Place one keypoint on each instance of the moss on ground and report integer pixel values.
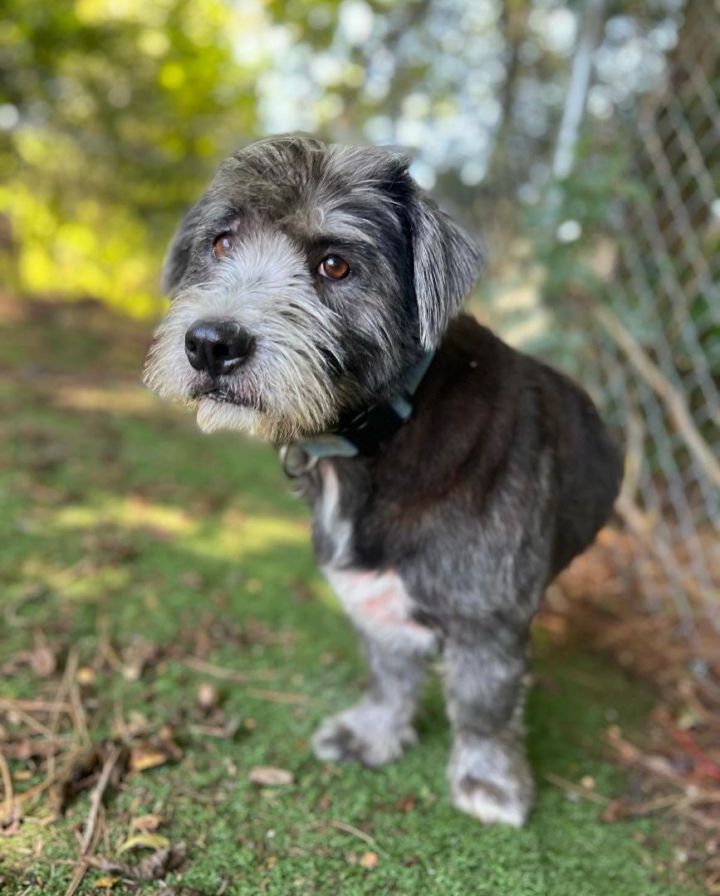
(125, 529)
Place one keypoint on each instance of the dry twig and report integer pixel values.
(7, 816)
(671, 397)
(577, 790)
(277, 696)
(57, 706)
(215, 671)
(62, 691)
(272, 696)
(90, 831)
(356, 832)
(78, 715)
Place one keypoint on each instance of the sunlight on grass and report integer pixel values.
(246, 540)
(232, 537)
(130, 513)
(85, 580)
(257, 534)
(110, 399)
(237, 533)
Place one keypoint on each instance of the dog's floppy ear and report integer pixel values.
(177, 260)
(446, 264)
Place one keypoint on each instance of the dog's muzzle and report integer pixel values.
(217, 346)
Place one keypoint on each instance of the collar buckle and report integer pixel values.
(296, 461)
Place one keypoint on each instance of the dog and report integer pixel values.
(316, 304)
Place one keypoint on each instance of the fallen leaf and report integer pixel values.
(269, 776)
(150, 754)
(207, 695)
(144, 840)
(614, 811)
(146, 822)
(85, 676)
(106, 882)
(368, 860)
(138, 657)
(153, 867)
(142, 758)
(43, 661)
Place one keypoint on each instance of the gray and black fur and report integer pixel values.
(444, 540)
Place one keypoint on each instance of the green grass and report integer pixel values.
(122, 524)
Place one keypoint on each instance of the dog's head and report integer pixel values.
(305, 283)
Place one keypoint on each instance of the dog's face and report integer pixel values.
(305, 283)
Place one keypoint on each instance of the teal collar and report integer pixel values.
(357, 434)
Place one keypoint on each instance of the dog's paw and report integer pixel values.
(365, 733)
(489, 803)
(491, 781)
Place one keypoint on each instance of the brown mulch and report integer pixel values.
(595, 603)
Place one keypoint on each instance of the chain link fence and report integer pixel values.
(656, 332)
(632, 307)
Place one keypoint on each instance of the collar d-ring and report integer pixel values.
(295, 461)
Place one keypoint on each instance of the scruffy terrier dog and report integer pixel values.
(316, 297)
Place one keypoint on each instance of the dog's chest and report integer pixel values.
(333, 531)
(377, 602)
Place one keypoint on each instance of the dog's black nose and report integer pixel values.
(217, 346)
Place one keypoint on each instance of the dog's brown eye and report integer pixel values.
(222, 245)
(333, 267)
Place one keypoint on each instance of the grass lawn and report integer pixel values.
(149, 565)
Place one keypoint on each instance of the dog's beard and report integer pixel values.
(285, 389)
(265, 414)
(285, 392)
(212, 416)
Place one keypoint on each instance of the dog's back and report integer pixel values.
(588, 465)
(486, 417)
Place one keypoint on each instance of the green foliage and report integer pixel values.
(123, 107)
(593, 195)
(123, 110)
(572, 231)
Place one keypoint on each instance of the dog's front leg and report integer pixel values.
(489, 775)
(376, 730)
